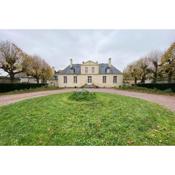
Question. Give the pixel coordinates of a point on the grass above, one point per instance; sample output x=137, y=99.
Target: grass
x=106, y=120
x=146, y=90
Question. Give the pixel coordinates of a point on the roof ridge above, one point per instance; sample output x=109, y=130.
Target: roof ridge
x=102, y=69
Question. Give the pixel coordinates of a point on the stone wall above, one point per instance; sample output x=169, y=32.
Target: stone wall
x=96, y=80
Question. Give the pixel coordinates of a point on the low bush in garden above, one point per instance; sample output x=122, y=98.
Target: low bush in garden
x=159, y=86
x=89, y=86
x=7, y=87
x=82, y=95
x=147, y=90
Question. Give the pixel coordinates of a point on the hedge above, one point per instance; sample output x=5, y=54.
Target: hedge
x=160, y=86
x=6, y=87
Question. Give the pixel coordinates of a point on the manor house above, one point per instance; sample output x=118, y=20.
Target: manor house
x=90, y=74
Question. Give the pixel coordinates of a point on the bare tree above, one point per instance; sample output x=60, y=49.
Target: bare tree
x=143, y=69
x=132, y=72
x=38, y=68
x=35, y=71
x=10, y=59
x=46, y=71
x=154, y=58
x=138, y=70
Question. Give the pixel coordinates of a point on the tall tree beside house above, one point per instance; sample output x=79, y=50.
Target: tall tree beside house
x=27, y=64
x=143, y=69
x=132, y=72
x=168, y=62
x=139, y=70
x=32, y=66
x=46, y=71
x=11, y=59
x=38, y=68
x=35, y=67
x=154, y=59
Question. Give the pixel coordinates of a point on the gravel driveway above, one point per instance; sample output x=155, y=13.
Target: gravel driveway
x=165, y=100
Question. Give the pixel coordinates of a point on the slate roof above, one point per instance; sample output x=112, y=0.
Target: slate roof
x=112, y=70
x=76, y=69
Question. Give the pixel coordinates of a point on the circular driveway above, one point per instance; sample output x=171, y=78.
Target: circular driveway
x=164, y=100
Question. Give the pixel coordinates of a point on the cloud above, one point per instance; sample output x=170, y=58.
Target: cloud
x=58, y=46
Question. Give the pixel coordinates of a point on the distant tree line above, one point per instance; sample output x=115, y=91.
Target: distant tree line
x=156, y=67
x=14, y=60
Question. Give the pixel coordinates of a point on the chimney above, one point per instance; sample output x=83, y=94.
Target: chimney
x=109, y=62
x=71, y=62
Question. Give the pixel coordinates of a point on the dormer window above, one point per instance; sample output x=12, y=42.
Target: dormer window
x=108, y=70
x=72, y=70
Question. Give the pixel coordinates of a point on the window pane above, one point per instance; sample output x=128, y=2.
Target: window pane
x=108, y=70
x=75, y=79
x=65, y=79
x=104, y=79
x=89, y=79
x=115, y=79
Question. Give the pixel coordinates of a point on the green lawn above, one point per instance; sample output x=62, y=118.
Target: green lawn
x=107, y=120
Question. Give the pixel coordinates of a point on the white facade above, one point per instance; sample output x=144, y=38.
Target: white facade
x=90, y=74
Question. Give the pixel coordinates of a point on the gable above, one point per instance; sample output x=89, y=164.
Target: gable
x=89, y=63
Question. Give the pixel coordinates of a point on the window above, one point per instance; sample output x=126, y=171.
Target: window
x=89, y=79
x=72, y=70
x=104, y=79
x=75, y=79
x=108, y=70
x=93, y=70
x=86, y=70
x=115, y=79
x=65, y=79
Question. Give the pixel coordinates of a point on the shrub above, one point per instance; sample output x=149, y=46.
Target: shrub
x=147, y=90
x=168, y=90
x=159, y=86
x=82, y=95
x=6, y=87
x=89, y=86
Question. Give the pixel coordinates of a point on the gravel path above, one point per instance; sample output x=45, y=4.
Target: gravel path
x=167, y=101
x=164, y=100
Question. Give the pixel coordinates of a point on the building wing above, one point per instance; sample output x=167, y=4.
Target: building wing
x=74, y=69
x=105, y=69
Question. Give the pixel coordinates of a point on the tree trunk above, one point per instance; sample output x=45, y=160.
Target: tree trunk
x=155, y=75
x=12, y=77
x=170, y=77
x=143, y=80
x=155, y=78
x=37, y=80
x=43, y=80
x=135, y=80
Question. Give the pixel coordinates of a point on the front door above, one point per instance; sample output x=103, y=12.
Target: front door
x=89, y=80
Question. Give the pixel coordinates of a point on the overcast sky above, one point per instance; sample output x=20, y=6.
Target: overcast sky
x=58, y=46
